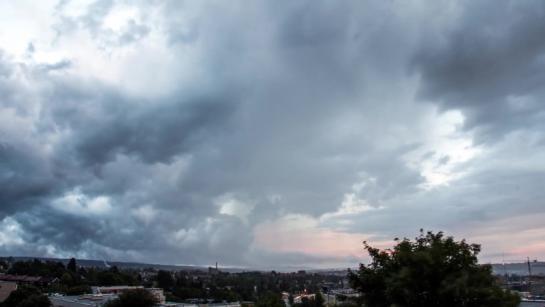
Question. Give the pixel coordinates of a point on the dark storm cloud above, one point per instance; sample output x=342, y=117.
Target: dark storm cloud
x=103, y=127
x=490, y=65
x=25, y=175
x=24, y=178
x=154, y=134
x=271, y=94
x=271, y=109
x=302, y=81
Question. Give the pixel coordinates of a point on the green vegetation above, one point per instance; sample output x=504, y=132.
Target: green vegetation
x=432, y=270
x=71, y=280
x=179, y=286
x=37, y=268
x=246, y=286
x=270, y=299
x=165, y=280
x=26, y=296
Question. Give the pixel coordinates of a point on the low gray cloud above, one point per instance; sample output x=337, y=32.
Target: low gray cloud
x=179, y=129
x=489, y=65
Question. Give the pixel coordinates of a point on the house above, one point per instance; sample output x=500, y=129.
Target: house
x=28, y=280
x=6, y=287
x=85, y=300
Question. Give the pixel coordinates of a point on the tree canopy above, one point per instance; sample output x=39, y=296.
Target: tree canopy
x=71, y=266
x=26, y=296
x=270, y=299
x=165, y=279
x=432, y=270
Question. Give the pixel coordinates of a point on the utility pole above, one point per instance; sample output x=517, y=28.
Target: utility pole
x=504, y=271
x=529, y=276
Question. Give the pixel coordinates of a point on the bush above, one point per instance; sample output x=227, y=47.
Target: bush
x=26, y=296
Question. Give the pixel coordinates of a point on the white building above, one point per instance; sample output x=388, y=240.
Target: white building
x=85, y=300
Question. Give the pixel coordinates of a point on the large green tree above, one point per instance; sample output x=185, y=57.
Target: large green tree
x=433, y=270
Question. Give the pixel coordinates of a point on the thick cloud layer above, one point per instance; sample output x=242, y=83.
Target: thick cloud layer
x=268, y=134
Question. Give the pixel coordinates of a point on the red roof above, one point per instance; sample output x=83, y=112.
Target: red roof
x=20, y=278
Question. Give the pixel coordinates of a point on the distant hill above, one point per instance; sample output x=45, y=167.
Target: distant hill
x=521, y=268
x=125, y=265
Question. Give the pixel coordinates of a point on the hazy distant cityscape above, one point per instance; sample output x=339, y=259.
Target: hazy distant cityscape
x=272, y=153
x=73, y=283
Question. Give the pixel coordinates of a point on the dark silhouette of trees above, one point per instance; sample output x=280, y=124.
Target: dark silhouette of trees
x=165, y=279
x=71, y=279
x=319, y=299
x=270, y=299
x=37, y=268
x=26, y=296
x=71, y=266
x=35, y=301
x=112, y=277
x=134, y=298
x=432, y=270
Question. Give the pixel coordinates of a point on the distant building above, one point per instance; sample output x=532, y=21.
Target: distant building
x=213, y=271
x=6, y=287
x=85, y=300
x=299, y=298
x=28, y=280
x=114, y=289
x=158, y=293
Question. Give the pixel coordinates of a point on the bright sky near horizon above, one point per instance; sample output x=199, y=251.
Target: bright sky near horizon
x=269, y=133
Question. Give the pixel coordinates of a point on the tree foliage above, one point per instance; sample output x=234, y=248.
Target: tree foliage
x=70, y=279
x=37, y=268
x=35, y=301
x=270, y=299
x=432, y=270
x=165, y=279
x=26, y=296
x=71, y=266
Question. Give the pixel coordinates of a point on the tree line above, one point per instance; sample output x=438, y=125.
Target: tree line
x=432, y=270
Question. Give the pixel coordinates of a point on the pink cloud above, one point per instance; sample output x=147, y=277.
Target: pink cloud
x=302, y=234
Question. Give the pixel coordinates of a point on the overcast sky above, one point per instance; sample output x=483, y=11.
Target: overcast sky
x=270, y=134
